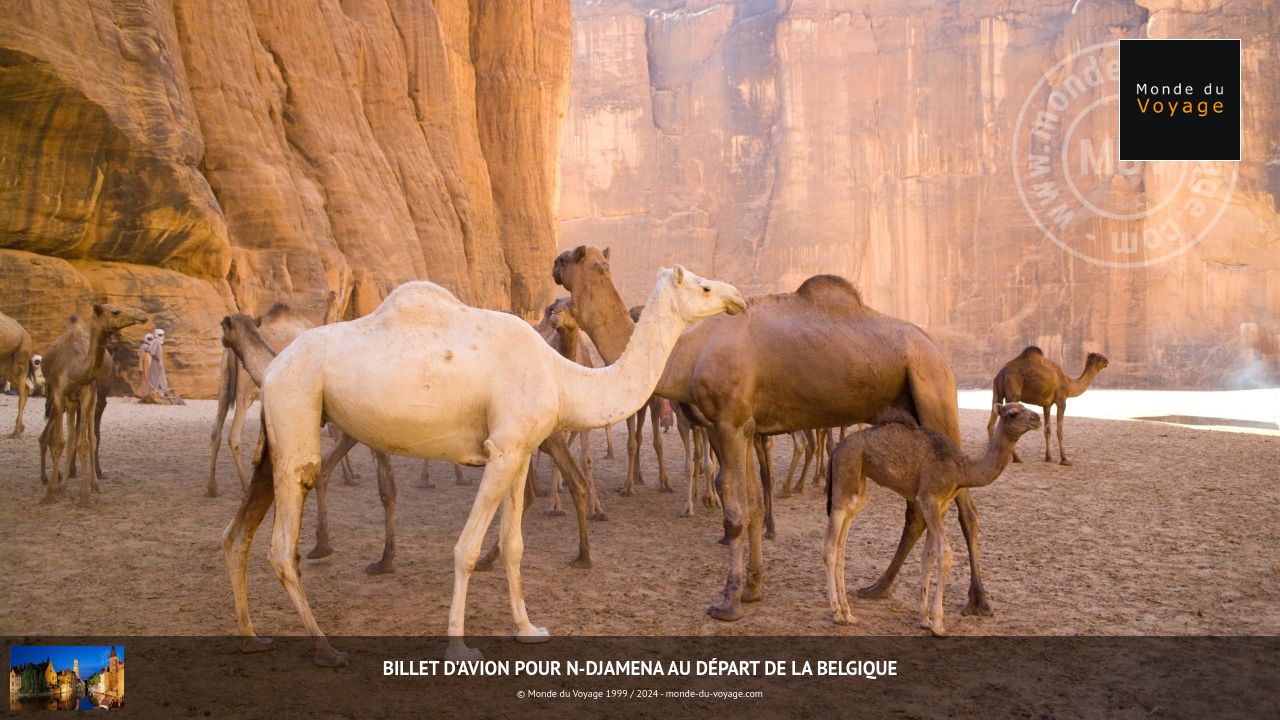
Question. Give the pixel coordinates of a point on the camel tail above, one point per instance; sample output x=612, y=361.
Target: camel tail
x=893, y=415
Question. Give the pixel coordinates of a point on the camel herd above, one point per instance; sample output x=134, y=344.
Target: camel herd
x=484, y=388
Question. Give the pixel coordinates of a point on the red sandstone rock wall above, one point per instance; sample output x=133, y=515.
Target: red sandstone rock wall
x=761, y=142
x=192, y=157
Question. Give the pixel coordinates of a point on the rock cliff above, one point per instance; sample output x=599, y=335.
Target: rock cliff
x=192, y=158
x=763, y=141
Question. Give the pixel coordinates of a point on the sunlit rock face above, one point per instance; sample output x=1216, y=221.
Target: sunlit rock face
x=193, y=158
x=763, y=142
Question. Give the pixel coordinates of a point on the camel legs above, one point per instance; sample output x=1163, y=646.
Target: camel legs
x=83, y=441
x=1048, y=444
x=387, y=493
x=821, y=452
x=52, y=438
x=502, y=477
x=1062, y=454
x=848, y=497
x=18, y=377
x=912, y=526
x=424, y=478
x=743, y=518
x=244, y=398
x=235, y=548
x=229, y=376
x=101, y=407
x=686, y=441
x=337, y=453
x=764, y=452
x=512, y=540
x=655, y=418
x=608, y=442
x=935, y=565
x=558, y=448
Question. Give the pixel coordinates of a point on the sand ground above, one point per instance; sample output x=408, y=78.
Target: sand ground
x=1156, y=530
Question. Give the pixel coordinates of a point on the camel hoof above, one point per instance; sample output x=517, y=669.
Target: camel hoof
x=382, y=567
x=14, y=435
x=688, y=513
x=598, y=517
x=626, y=492
x=484, y=565
x=937, y=629
x=457, y=652
x=462, y=481
x=49, y=499
x=328, y=657
x=666, y=489
x=752, y=594
x=1065, y=462
x=783, y=495
x=321, y=550
x=83, y=503
x=980, y=608
x=873, y=592
x=724, y=540
x=580, y=563
x=1017, y=459
x=427, y=485
x=211, y=492
x=842, y=617
x=532, y=635
x=555, y=513
x=256, y=644
x=770, y=534
x=726, y=612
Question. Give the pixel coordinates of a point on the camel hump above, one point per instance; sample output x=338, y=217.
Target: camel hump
x=831, y=291
x=1031, y=350
x=420, y=299
x=898, y=416
x=276, y=309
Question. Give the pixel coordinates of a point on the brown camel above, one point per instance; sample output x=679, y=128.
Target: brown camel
x=73, y=367
x=241, y=336
x=278, y=327
x=1034, y=379
x=105, y=384
x=15, y=364
x=815, y=358
x=927, y=469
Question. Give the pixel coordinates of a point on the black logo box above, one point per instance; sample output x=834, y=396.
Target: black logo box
x=1182, y=65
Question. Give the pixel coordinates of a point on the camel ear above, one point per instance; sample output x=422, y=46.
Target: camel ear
x=98, y=309
x=606, y=253
x=677, y=274
x=996, y=407
x=579, y=253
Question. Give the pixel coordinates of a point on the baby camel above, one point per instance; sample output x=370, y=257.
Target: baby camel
x=927, y=469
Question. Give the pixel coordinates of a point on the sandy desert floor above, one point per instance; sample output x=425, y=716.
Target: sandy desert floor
x=1157, y=529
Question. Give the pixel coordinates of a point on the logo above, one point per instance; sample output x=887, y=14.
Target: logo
x=1082, y=196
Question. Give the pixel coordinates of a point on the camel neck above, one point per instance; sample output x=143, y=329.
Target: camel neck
x=592, y=398
x=603, y=316
x=1077, y=386
x=568, y=343
x=254, y=354
x=984, y=469
x=97, y=354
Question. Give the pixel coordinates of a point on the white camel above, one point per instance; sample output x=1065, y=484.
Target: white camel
x=471, y=386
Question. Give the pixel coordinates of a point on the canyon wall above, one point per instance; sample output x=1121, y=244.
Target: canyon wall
x=194, y=158
x=763, y=141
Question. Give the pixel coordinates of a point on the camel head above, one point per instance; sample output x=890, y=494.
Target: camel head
x=697, y=297
x=1016, y=419
x=560, y=316
x=1097, y=360
x=574, y=268
x=112, y=317
x=236, y=327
